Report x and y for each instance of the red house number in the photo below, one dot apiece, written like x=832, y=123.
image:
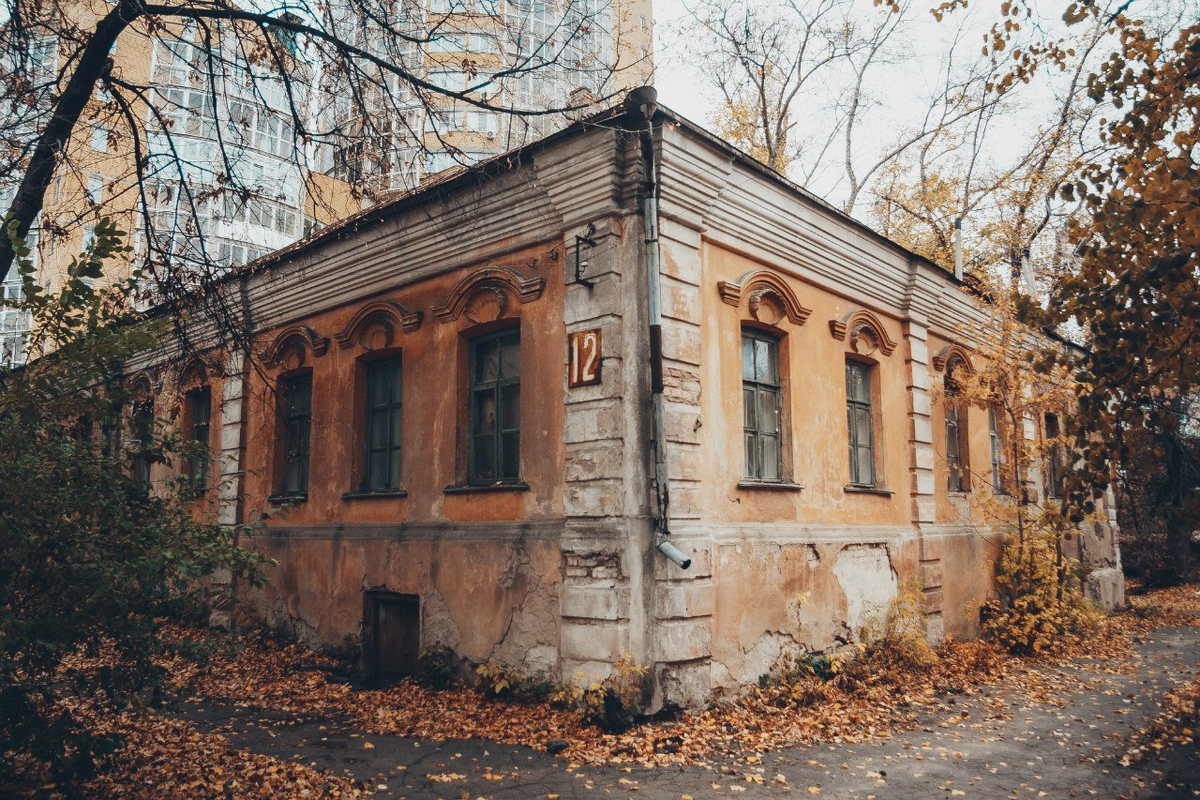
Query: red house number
x=585, y=358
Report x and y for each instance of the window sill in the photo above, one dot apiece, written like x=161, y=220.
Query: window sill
x=879, y=490
x=778, y=486
x=379, y=493
x=961, y=493
x=470, y=488
x=288, y=499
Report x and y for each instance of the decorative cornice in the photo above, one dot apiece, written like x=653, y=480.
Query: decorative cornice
x=494, y=277
x=304, y=336
x=950, y=353
x=765, y=282
x=193, y=373
x=858, y=318
x=386, y=313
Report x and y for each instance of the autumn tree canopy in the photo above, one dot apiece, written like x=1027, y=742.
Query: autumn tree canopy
x=1136, y=288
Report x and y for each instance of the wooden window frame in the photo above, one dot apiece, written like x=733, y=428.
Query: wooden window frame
x=141, y=431
x=856, y=404
x=200, y=433
x=289, y=433
x=996, y=451
x=370, y=420
x=1054, y=457
x=475, y=387
x=956, y=419
x=753, y=437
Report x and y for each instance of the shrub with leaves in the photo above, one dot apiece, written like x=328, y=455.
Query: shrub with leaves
x=900, y=640
x=1039, y=600
x=437, y=667
x=611, y=703
x=90, y=555
x=496, y=680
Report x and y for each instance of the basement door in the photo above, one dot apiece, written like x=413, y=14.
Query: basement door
x=395, y=626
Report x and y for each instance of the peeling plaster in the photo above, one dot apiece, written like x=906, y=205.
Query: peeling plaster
x=867, y=579
x=437, y=623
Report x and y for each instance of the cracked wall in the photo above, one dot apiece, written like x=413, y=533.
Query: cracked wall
x=486, y=600
x=818, y=598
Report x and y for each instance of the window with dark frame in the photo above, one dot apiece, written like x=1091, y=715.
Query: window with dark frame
x=494, y=413
x=956, y=467
x=295, y=394
x=762, y=403
x=201, y=418
x=381, y=433
x=141, y=429
x=1054, y=459
x=860, y=422
x=995, y=444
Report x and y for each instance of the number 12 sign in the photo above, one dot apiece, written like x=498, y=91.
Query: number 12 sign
x=584, y=348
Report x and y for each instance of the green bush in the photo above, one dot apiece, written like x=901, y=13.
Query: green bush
x=437, y=667
x=91, y=557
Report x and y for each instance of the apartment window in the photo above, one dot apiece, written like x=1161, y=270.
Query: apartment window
x=997, y=460
x=100, y=139
x=381, y=433
x=1054, y=458
x=95, y=189
x=860, y=420
x=762, y=406
x=956, y=437
x=201, y=422
x=495, y=408
x=296, y=398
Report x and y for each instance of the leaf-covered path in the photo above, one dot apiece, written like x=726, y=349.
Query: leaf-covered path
x=1061, y=731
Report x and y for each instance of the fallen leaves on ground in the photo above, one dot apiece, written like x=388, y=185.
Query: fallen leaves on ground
x=164, y=757
x=167, y=757
x=853, y=709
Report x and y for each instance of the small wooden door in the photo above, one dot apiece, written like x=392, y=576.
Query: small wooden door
x=396, y=640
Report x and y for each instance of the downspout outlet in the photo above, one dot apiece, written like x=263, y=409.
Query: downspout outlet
x=672, y=552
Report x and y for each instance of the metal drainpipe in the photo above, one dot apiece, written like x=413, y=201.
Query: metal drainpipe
x=958, y=254
x=642, y=102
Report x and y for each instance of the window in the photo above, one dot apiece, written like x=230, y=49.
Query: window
x=95, y=189
x=141, y=430
x=860, y=421
x=100, y=139
x=762, y=405
x=1054, y=459
x=956, y=437
x=296, y=397
x=495, y=408
x=201, y=419
x=997, y=458
x=381, y=434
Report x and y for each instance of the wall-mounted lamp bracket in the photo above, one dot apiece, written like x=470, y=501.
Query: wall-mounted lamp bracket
x=580, y=262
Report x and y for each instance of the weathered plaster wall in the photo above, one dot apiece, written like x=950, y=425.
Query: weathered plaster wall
x=486, y=598
x=434, y=384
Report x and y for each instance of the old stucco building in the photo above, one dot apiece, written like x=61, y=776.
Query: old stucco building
x=460, y=395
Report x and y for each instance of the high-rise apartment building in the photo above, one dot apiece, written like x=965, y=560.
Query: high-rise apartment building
x=227, y=161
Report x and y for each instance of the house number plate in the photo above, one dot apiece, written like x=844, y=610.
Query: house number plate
x=584, y=350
